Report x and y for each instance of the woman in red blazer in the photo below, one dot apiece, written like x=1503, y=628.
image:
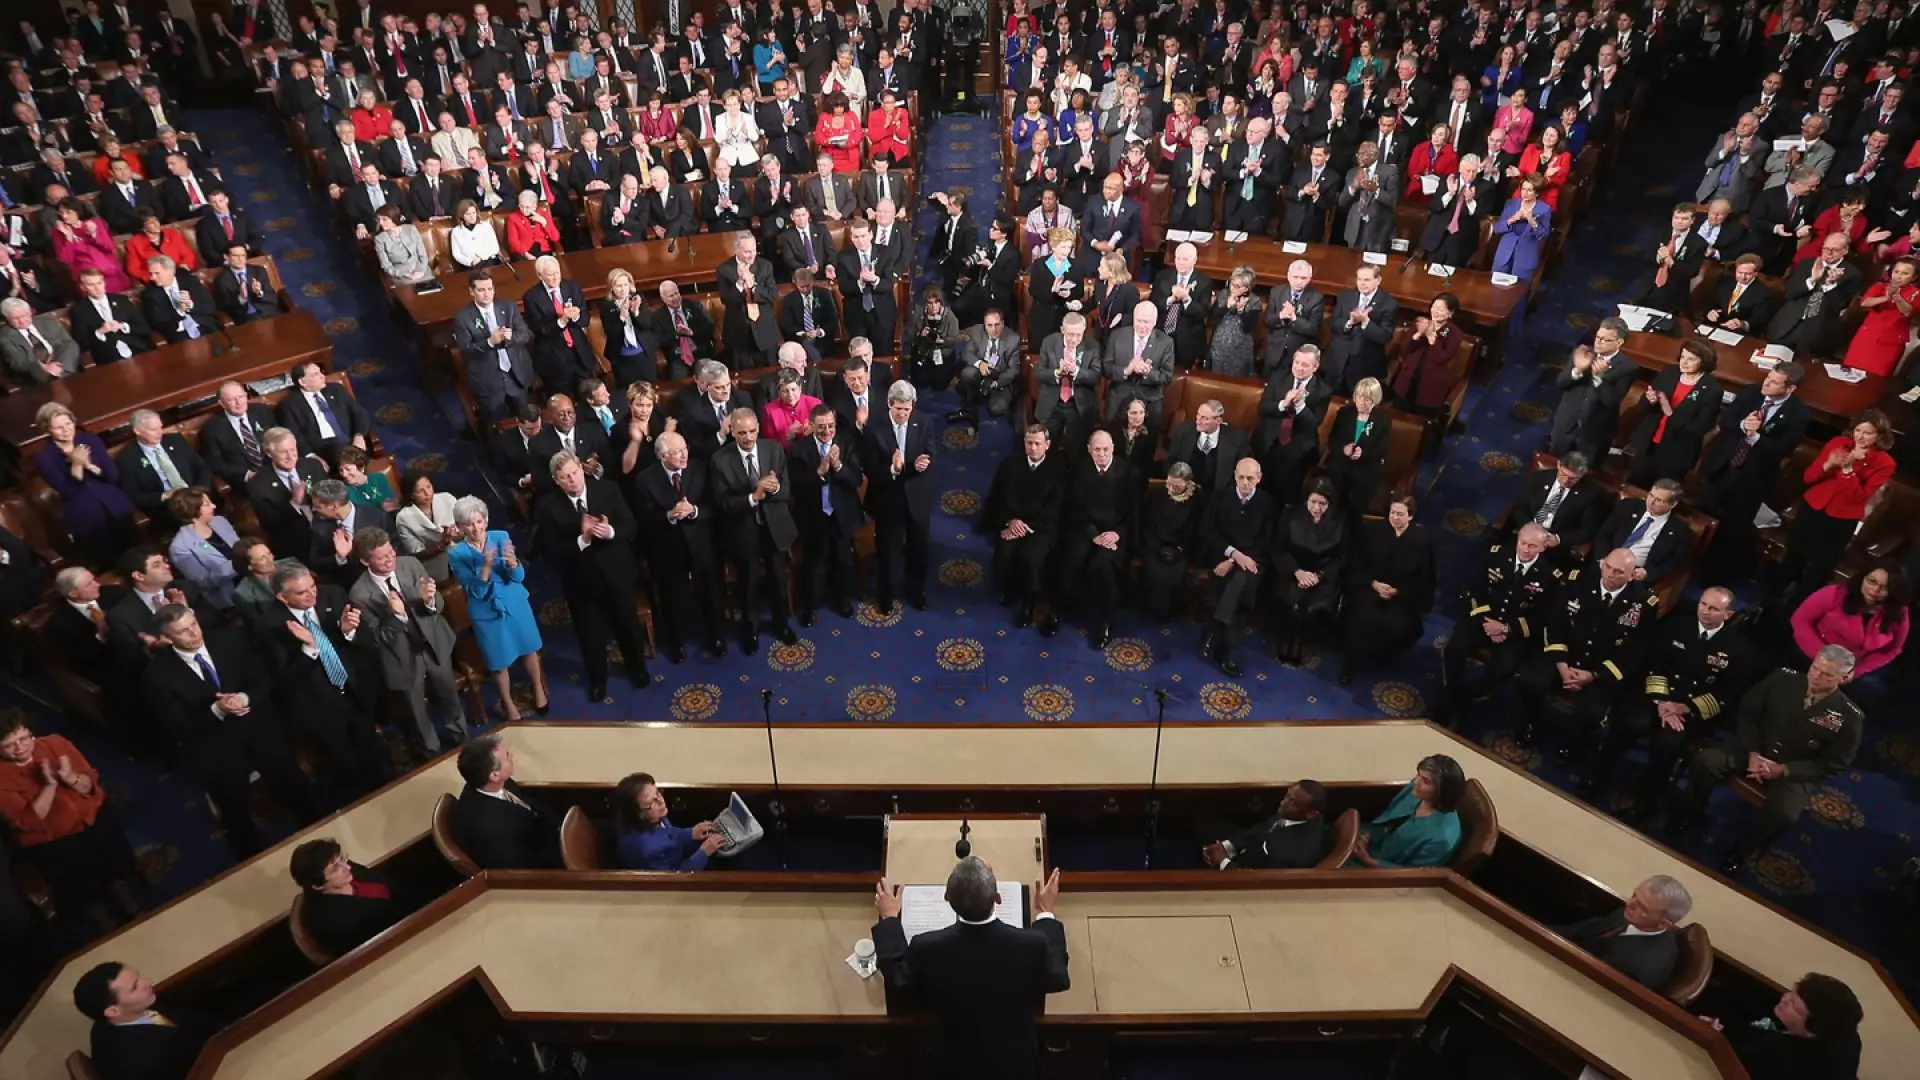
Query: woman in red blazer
x=531, y=231
x=1867, y=616
x=889, y=128
x=1431, y=158
x=156, y=239
x=1420, y=383
x=1843, y=477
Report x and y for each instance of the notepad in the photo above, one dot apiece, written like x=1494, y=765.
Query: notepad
x=925, y=907
x=1293, y=247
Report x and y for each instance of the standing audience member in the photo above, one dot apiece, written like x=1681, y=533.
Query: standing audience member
x=57, y=813
x=488, y=570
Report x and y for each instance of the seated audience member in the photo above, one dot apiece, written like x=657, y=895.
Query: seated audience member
x=157, y=463
x=1567, y=503
x=154, y=239
x=35, y=348
x=1237, y=532
x=1310, y=550
x=1421, y=826
x=76, y=465
x=244, y=293
x=1867, y=615
x=323, y=416
x=531, y=232
x=1813, y=1034
x=647, y=840
x=984, y=982
x=485, y=565
x=106, y=323
x=133, y=1038
x=253, y=567
x=425, y=527
x=58, y=816
x=177, y=306
x=1794, y=732
x=368, y=490
x=1637, y=939
x=347, y=904
x=399, y=249
x=202, y=549
x=1389, y=589
x=1741, y=302
x=499, y=825
x=1294, y=838
x=1648, y=528
x=472, y=243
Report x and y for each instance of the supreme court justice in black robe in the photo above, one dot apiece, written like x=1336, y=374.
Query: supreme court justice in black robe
x=1023, y=519
x=1394, y=553
x=1309, y=553
x=1236, y=542
x=1096, y=542
x=1169, y=534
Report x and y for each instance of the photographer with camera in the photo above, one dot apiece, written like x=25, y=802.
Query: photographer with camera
x=932, y=341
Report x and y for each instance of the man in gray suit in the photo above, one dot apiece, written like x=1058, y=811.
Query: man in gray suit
x=1139, y=364
x=1066, y=383
x=493, y=338
x=989, y=368
x=1371, y=192
x=403, y=624
x=1733, y=166
x=35, y=350
x=814, y=194
x=1817, y=154
x=756, y=523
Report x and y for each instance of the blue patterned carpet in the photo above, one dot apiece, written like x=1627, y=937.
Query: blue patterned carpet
x=963, y=661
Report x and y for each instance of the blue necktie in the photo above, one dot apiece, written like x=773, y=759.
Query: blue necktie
x=326, y=412
x=1639, y=531
x=207, y=672
x=606, y=417
x=826, y=491
x=330, y=660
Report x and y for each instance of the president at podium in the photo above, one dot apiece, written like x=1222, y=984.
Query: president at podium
x=982, y=981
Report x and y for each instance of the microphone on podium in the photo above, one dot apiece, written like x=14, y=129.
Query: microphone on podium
x=963, y=847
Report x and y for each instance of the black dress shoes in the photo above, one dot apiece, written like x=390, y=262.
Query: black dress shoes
x=676, y=654
x=1024, y=617
x=843, y=609
x=1526, y=737
x=1735, y=862
x=806, y=617
x=786, y=636
x=597, y=693
x=919, y=601
x=1101, y=636
x=1227, y=666
x=750, y=644
x=1051, y=626
x=717, y=647
x=642, y=678
x=1207, y=640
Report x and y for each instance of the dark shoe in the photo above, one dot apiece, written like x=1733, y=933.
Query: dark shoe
x=676, y=654
x=919, y=601
x=1227, y=666
x=1024, y=617
x=806, y=616
x=1735, y=862
x=787, y=636
x=717, y=647
x=1051, y=626
x=1564, y=755
x=543, y=710
x=597, y=693
x=1101, y=636
x=1207, y=640
x=843, y=609
x=642, y=678
x=750, y=644
x=1346, y=677
x=962, y=416
x=1526, y=737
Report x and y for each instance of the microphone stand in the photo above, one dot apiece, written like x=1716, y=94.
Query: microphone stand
x=774, y=809
x=1413, y=255
x=232, y=346
x=1153, y=790
x=963, y=847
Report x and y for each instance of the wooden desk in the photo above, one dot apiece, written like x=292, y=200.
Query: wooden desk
x=1831, y=401
x=105, y=396
x=1482, y=303
x=1199, y=949
x=920, y=846
x=957, y=757
x=692, y=259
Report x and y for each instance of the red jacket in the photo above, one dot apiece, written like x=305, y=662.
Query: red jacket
x=20, y=785
x=1424, y=161
x=523, y=236
x=1839, y=495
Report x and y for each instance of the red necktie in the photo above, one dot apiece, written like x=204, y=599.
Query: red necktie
x=1066, y=384
x=566, y=334
x=686, y=342
x=227, y=224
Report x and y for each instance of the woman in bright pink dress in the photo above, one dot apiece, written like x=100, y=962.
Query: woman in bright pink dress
x=1882, y=338
x=80, y=240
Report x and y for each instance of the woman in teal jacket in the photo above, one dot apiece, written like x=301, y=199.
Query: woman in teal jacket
x=1420, y=826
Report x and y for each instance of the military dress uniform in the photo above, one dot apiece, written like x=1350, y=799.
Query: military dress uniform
x=1510, y=593
x=1813, y=738
x=1705, y=670
x=1587, y=630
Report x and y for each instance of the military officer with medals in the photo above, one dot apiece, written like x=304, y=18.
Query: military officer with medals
x=1697, y=668
x=1505, y=607
x=1592, y=640
x=1795, y=731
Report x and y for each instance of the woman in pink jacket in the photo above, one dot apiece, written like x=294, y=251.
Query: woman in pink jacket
x=1867, y=615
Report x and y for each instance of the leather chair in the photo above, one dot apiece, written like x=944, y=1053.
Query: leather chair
x=1479, y=830
x=469, y=666
x=316, y=954
x=1691, y=970
x=449, y=848
x=81, y=1067
x=1346, y=831
x=579, y=841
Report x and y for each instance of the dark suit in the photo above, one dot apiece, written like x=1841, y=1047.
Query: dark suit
x=638, y=362
x=826, y=538
x=562, y=355
x=700, y=423
x=1098, y=503
x=755, y=535
x=1307, y=215
x=342, y=924
x=1754, y=308
x=792, y=321
x=393, y=164
x=149, y=1051
x=984, y=985
x=1359, y=351
x=1189, y=331
x=222, y=449
x=679, y=555
x=428, y=201
x=1212, y=470
x=902, y=504
x=144, y=484
x=1575, y=521
x=790, y=250
x=1669, y=546
x=1286, y=335
x=675, y=214
x=870, y=309
x=169, y=320
x=123, y=216
x=1672, y=296
x=1737, y=475
x=220, y=753
x=497, y=834
x=1798, y=325
x=349, y=421
x=699, y=341
x=1277, y=844
x=1101, y=222
x=358, y=204
x=1647, y=959
x=589, y=440
x=599, y=581
x=288, y=531
x=1589, y=411
x=259, y=301
x=85, y=322
x=499, y=392
x=1034, y=495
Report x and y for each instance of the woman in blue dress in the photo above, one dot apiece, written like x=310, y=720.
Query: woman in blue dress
x=1522, y=228
x=1420, y=827
x=485, y=565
